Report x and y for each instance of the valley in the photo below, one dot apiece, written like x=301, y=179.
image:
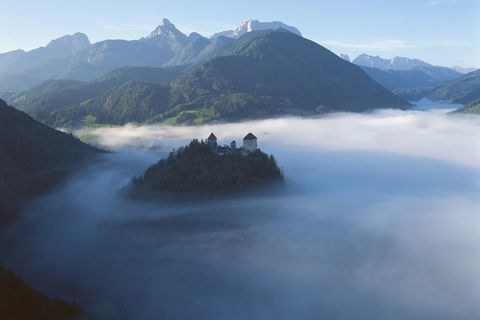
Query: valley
x=319, y=160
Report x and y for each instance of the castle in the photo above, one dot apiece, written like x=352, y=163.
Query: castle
x=249, y=145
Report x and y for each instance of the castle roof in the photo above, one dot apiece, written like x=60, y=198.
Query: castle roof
x=212, y=137
x=250, y=136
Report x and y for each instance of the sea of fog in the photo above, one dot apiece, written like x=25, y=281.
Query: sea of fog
x=379, y=219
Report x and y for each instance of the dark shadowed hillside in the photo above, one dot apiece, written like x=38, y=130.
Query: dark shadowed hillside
x=20, y=302
x=34, y=156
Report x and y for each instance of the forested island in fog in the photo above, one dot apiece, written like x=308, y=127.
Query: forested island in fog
x=203, y=167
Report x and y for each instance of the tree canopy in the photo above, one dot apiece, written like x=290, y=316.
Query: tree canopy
x=197, y=168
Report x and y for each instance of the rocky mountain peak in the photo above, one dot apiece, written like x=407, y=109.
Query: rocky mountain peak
x=253, y=25
x=167, y=31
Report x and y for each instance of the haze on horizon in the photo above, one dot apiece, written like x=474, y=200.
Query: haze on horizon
x=441, y=32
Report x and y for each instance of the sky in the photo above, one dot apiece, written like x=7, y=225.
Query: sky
x=442, y=32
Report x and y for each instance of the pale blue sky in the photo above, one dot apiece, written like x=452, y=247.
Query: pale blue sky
x=444, y=32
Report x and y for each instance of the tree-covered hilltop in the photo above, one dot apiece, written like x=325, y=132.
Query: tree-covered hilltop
x=20, y=302
x=198, y=169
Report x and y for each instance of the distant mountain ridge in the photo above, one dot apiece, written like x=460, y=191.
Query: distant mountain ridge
x=74, y=57
x=464, y=89
x=395, y=63
x=401, y=74
x=419, y=77
x=19, y=60
x=261, y=74
x=17, y=68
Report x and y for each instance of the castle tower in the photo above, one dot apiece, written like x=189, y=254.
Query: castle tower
x=250, y=143
x=212, y=140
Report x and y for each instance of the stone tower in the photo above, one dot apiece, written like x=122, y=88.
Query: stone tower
x=250, y=143
x=212, y=140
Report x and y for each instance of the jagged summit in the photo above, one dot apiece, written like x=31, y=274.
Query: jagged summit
x=167, y=23
x=167, y=31
x=396, y=63
x=253, y=25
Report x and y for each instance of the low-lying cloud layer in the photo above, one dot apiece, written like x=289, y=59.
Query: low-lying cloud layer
x=430, y=134
x=378, y=220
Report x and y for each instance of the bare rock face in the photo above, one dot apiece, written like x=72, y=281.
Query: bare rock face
x=167, y=31
x=253, y=25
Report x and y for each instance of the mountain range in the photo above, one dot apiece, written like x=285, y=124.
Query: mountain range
x=395, y=63
x=20, y=69
x=261, y=74
x=74, y=57
x=404, y=73
x=414, y=79
x=462, y=90
x=177, y=78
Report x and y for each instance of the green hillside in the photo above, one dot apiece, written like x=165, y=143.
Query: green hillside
x=51, y=96
x=133, y=101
